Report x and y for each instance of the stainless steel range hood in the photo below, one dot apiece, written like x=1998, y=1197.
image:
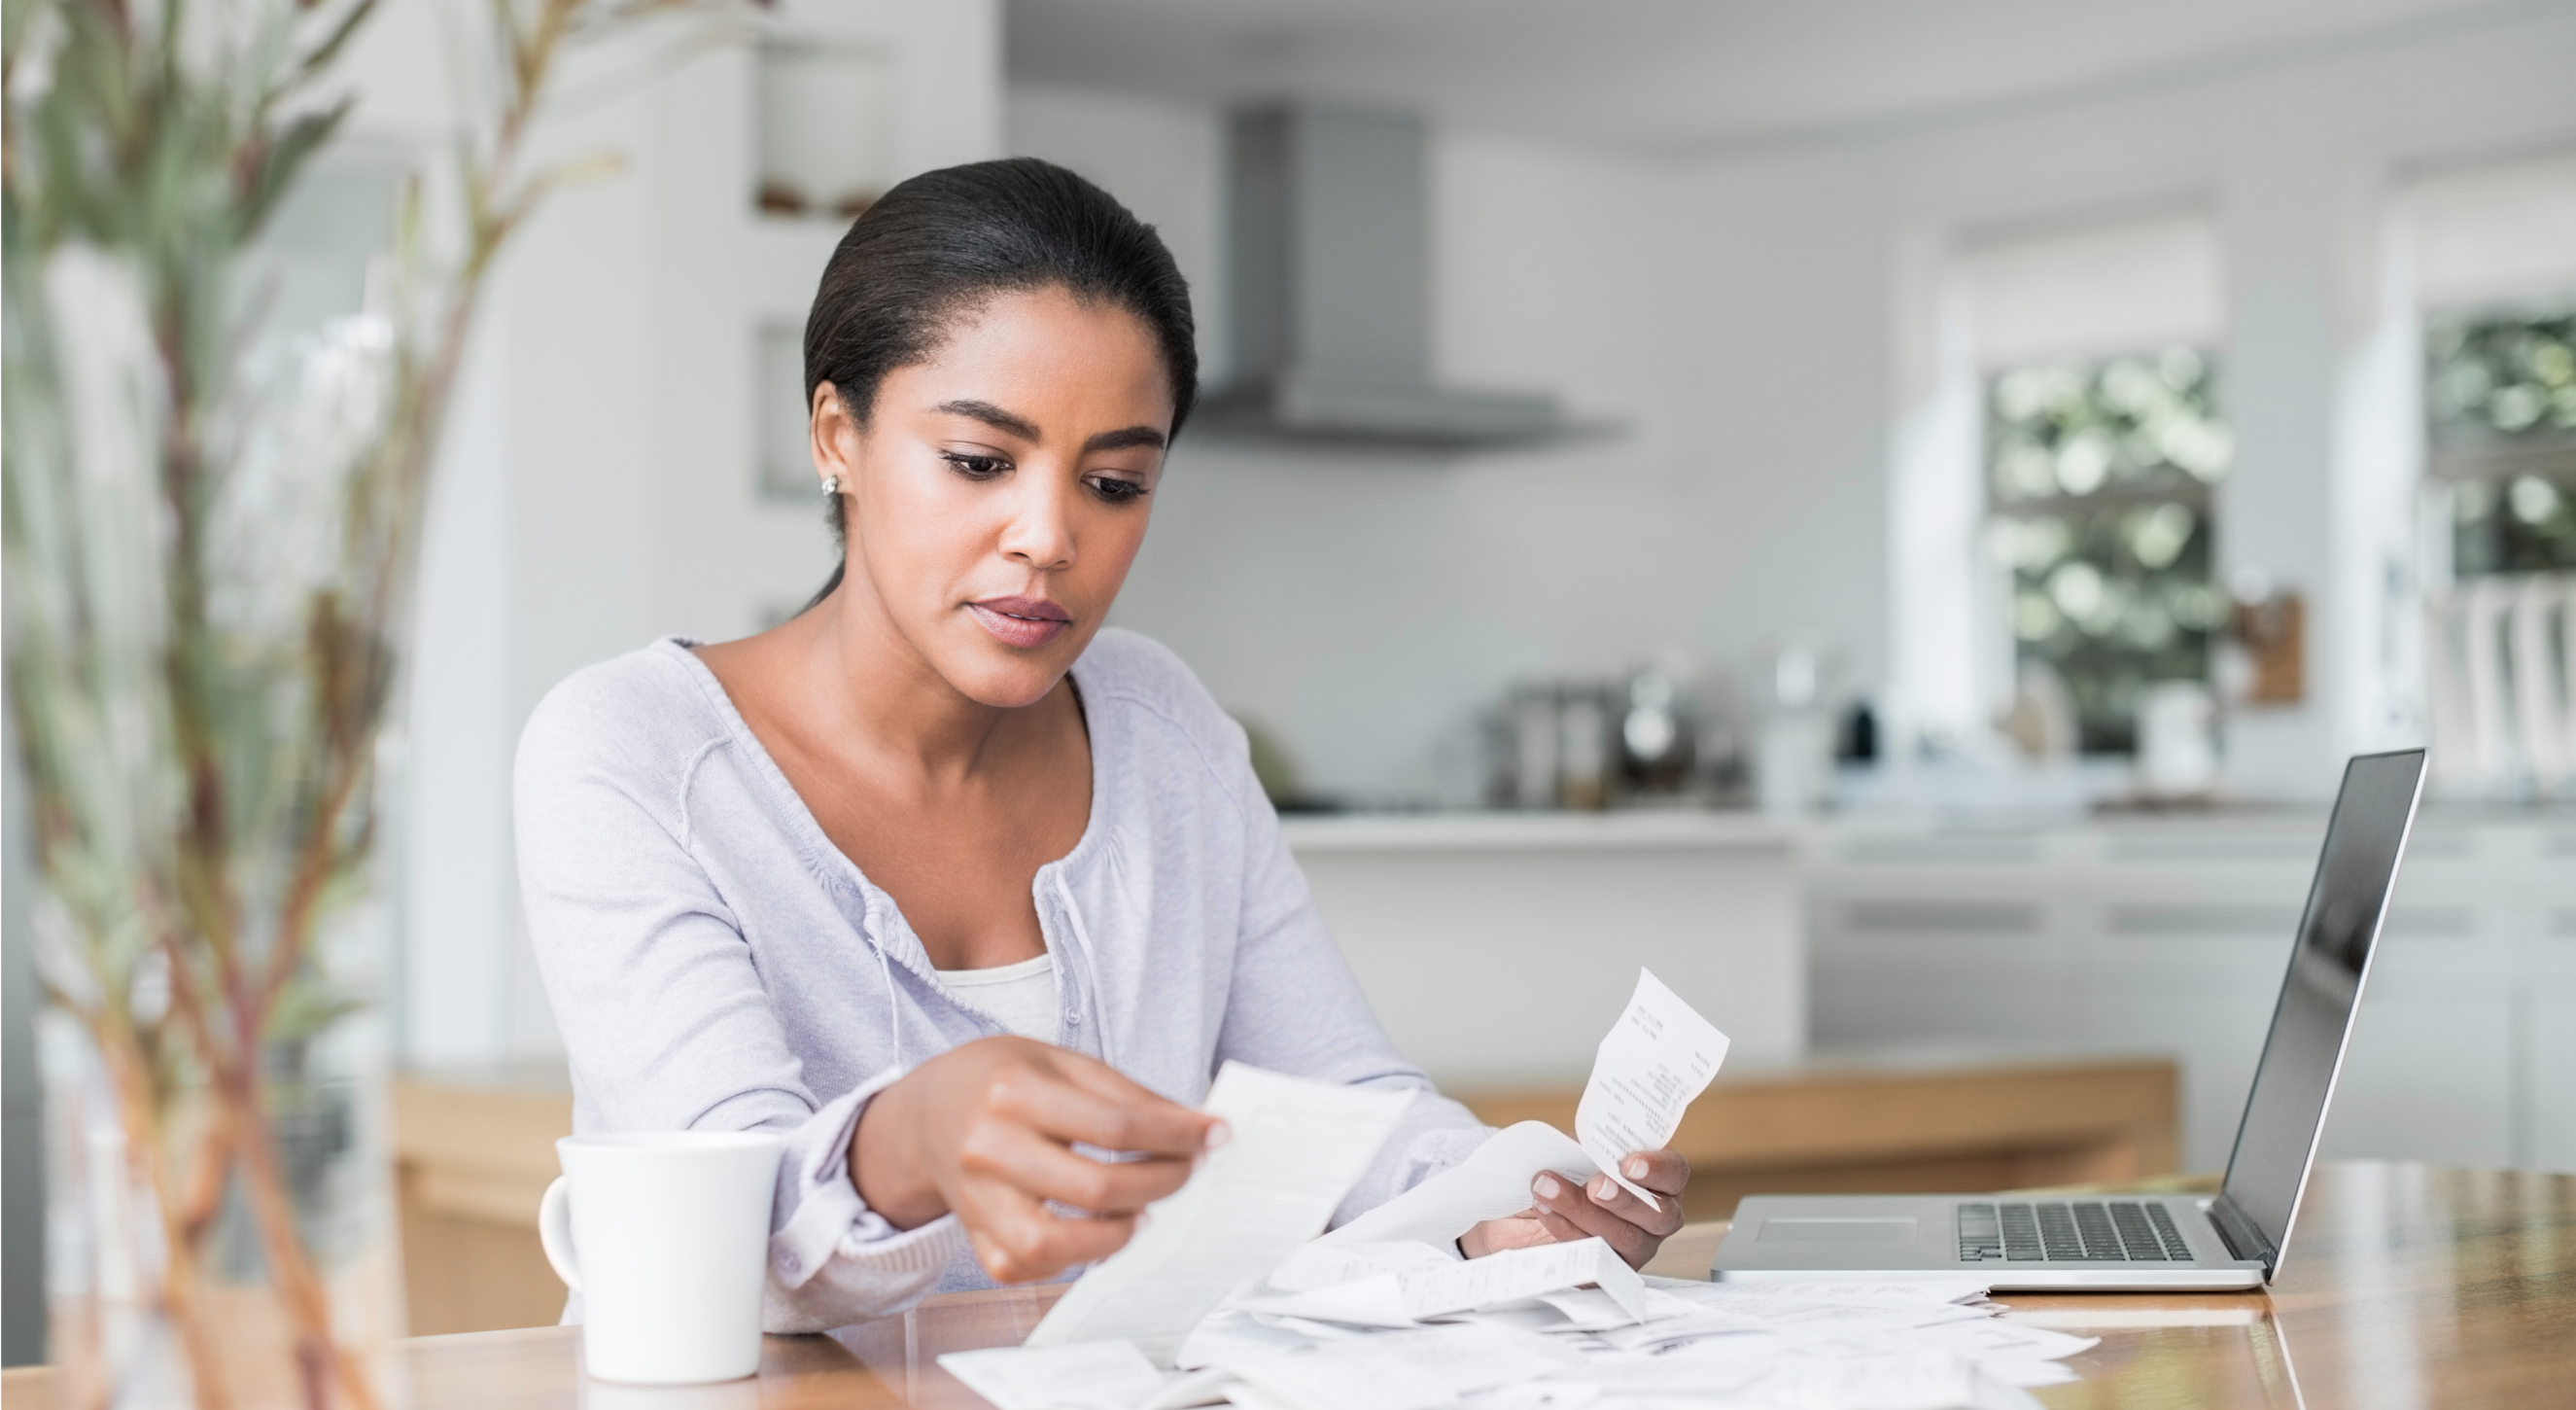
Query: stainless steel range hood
x=1331, y=310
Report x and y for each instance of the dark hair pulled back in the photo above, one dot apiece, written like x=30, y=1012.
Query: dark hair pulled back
x=942, y=242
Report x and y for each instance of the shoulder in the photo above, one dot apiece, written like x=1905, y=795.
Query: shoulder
x=1135, y=674
x=1137, y=670
x=641, y=719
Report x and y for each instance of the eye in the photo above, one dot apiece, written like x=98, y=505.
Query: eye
x=975, y=467
x=1117, y=491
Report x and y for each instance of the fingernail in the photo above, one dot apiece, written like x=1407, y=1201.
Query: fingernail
x=1546, y=1186
x=1217, y=1135
x=1601, y=1189
x=1637, y=1168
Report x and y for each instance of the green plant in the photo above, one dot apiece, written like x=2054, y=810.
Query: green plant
x=207, y=567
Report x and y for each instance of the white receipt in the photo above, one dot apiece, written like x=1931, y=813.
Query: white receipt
x=1401, y=1371
x=1525, y=1272
x=1791, y=1312
x=1657, y=1057
x=1111, y=1375
x=1493, y=1182
x=1324, y=1263
x=1401, y=1298
x=1592, y=1310
x=1297, y=1148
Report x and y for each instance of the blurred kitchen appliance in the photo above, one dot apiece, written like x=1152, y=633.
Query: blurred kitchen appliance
x=2177, y=740
x=1793, y=770
x=1655, y=733
x=1584, y=750
x=2500, y=663
x=1857, y=741
x=2041, y=721
x=1330, y=272
x=1534, y=737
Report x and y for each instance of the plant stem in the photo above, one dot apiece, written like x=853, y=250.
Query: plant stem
x=290, y=1267
x=147, y=1155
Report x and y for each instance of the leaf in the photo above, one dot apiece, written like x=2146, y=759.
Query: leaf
x=280, y=159
x=322, y=54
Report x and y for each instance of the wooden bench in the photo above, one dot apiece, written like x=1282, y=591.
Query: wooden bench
x=473, y=1153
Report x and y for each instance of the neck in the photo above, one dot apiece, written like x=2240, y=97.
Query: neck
x=882, y=697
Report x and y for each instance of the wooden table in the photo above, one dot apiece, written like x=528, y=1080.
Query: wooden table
x=2407, y=1285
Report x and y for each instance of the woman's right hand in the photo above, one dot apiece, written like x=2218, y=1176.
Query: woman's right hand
x=986, y=1131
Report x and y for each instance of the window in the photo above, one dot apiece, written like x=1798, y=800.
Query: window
x=2098, y=474
x=2500, y=400
x=2490, y=249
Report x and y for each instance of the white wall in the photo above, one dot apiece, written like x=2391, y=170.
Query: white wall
x=1361, y=604
x=1741, y=313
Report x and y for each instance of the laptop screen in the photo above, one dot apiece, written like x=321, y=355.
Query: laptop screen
x=2278, y=1136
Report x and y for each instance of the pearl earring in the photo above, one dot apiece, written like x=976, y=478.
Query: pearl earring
x=831, y=484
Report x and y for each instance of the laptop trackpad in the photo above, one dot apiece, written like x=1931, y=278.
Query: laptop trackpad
x=1815, y=1230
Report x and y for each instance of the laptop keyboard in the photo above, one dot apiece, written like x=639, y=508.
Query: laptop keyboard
x=2069, y=1231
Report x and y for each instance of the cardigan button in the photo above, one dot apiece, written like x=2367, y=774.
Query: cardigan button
x=1074, y=1017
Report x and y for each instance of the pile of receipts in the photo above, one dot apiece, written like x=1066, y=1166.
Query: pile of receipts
x=1619, y=1342
x=1225, y=1298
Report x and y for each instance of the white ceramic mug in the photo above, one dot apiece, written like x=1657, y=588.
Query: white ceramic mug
x=666, y=1237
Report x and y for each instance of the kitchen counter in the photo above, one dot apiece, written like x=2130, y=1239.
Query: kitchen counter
x=1310, y=834
x=1497, y=948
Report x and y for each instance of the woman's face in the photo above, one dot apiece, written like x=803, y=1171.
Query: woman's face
x=1001, y=489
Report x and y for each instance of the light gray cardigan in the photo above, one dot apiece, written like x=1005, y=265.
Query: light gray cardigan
x=715, y=962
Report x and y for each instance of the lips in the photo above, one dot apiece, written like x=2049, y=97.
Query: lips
x=1022, y=621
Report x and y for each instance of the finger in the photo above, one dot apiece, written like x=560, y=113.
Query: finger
x=1664, y=1172
x=1561, y=1231
x=1001, y=1150
x=1071, y=1105
x=1017, y=1237
x=1019, y=1243
x=1520, y=1230
x=1567, y=1202
x=1564, y=1230
x=1123, y=1115
x=1608, y=1194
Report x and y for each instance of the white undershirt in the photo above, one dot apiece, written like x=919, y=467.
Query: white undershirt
x=1022, y=996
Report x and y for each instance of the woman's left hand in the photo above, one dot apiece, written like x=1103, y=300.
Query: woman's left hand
x=1564, y=1212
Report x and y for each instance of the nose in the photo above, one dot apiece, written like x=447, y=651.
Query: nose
x=1039, y=532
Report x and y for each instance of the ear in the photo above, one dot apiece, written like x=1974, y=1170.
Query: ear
x=833, y=437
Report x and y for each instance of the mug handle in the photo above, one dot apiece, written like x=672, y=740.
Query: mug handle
x=554, y=1231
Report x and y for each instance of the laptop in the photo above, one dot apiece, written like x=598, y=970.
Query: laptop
x=2144, y=1242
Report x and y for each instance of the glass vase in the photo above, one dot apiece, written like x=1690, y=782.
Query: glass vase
x=224, y=1245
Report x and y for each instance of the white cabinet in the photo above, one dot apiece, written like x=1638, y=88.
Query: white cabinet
x=2169, y=935
x=1497, y=949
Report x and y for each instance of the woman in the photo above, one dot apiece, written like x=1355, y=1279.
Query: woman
x=938, y=880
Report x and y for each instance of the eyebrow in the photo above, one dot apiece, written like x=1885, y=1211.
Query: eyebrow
x=994, y=417
x=1027, y=430
x=1120, y=440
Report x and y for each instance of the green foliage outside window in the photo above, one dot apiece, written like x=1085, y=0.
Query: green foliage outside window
x=2500, y=394
x=2098, y=476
